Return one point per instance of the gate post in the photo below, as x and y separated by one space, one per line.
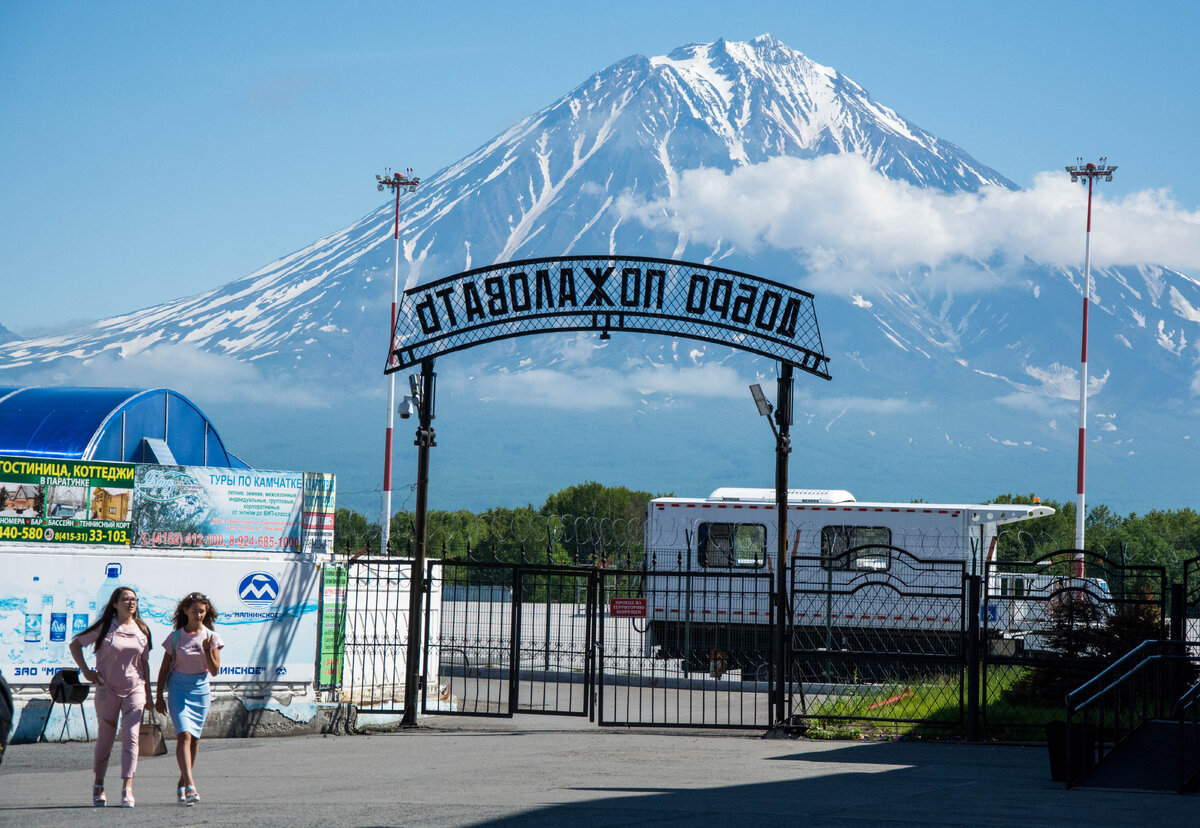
416 585
783 446
973 653
1178 612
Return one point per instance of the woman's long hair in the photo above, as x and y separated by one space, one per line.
181 610
104 622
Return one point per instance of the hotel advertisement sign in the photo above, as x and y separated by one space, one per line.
65 501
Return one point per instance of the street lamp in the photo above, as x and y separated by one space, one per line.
397 182
1085 174
780 427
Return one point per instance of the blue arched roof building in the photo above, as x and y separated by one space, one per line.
130 425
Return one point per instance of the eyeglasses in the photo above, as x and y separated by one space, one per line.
197 596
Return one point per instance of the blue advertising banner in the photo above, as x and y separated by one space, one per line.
196 507
267 610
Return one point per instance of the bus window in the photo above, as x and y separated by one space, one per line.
732 544
837 540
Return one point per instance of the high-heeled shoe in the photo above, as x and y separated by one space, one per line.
98 798
126 797
182 794
193 798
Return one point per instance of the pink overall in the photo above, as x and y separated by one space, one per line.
121 663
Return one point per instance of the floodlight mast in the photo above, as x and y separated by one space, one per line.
397 182
1085 174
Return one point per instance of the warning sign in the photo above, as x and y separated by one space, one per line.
627 607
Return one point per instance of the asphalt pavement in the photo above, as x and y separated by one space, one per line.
542 770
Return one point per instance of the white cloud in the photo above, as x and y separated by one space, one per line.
1055 381
598 387
848 223
202 377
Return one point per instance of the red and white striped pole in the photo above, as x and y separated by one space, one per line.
395 182
1085 173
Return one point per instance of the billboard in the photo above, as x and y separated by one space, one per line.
268 610
198 507
65 501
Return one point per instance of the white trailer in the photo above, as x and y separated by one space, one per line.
856 566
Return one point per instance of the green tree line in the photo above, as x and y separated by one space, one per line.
586 524
1161 537
591 523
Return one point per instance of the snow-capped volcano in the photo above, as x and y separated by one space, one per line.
549 185
966 358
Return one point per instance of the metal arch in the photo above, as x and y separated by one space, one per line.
605 294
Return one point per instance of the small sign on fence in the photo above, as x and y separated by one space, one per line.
626 607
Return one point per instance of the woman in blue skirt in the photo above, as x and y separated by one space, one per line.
193 653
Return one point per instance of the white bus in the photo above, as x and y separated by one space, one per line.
857 567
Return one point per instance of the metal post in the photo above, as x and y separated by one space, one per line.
549 588
783 446
416 586
1178 612
1085 173
973 651
396 182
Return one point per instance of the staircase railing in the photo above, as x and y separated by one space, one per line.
1187 713
1144 684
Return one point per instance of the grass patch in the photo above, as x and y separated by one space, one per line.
929 707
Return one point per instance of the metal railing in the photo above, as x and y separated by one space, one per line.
1145 684
1187 714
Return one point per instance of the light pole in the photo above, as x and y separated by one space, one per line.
396 182
783 447
423 387
1085 174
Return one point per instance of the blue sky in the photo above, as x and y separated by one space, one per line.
155 150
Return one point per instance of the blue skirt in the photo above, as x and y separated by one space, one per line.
188 696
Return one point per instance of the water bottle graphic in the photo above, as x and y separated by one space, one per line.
112 580
33 620
47 600
58 622
83 610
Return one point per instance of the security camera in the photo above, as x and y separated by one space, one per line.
407 408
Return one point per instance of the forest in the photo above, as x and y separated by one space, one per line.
594 523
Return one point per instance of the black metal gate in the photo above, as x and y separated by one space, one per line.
878 634
376 634
624 648
1191 600
686 649
1046 629
509 639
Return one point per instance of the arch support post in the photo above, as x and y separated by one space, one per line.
783 447
416 583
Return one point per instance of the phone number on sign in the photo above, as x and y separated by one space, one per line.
196 539
64 535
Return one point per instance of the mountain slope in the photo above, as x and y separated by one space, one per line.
547 186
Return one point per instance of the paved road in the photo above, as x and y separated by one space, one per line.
537 770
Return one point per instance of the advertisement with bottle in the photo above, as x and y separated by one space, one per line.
65 501
268 610
199 507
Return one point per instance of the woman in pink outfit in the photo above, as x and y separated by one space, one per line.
122 679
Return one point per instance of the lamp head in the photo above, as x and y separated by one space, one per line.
760 400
